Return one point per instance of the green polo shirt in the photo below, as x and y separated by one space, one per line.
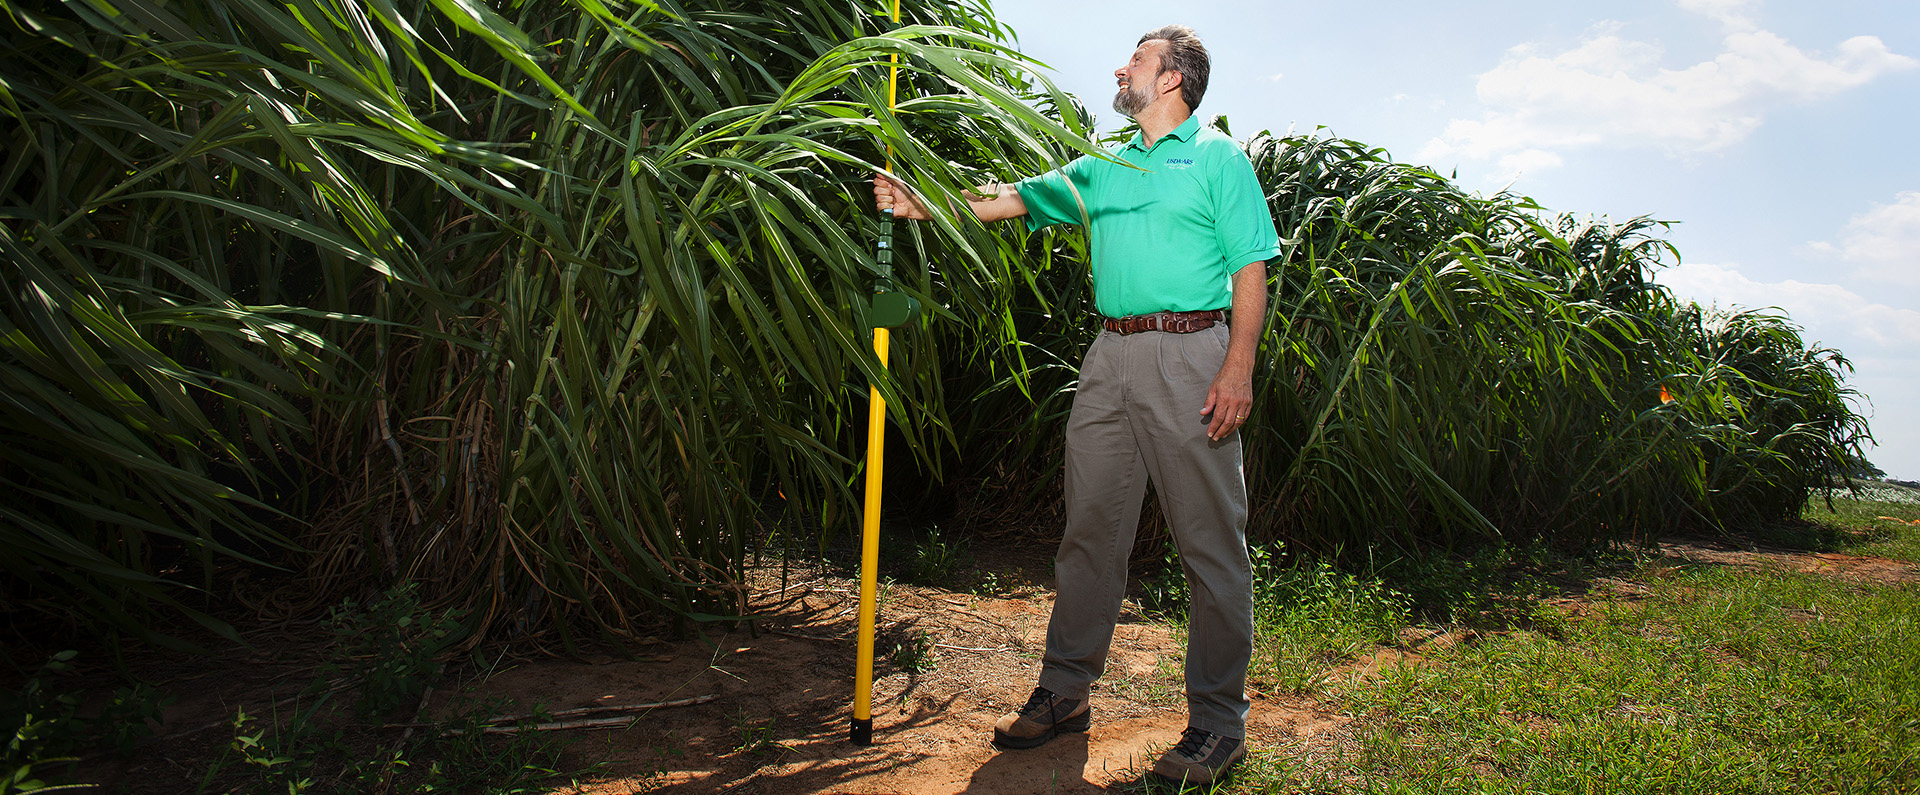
1168 237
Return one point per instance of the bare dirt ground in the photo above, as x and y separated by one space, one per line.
773 701
779 722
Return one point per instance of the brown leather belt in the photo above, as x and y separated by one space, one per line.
1170 322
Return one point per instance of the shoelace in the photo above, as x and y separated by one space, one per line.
1040 700
1191 741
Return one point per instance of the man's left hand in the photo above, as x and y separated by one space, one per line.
1229 400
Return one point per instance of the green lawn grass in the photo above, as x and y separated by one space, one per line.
1701 679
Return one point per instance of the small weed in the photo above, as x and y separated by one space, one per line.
130 715
1154 785
913 653
389 647
753 736
936 559
42 724
1162 687
669 748
470 759
989 584
273 758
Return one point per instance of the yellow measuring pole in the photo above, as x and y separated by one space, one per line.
862 733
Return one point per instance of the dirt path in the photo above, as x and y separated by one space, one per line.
779 722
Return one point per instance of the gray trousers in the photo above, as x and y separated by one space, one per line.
1137 416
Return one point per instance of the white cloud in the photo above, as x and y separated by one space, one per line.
1612 91
1278 76
1528 161
1884 242
1732 13
1828 312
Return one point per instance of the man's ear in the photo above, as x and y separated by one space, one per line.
1170 80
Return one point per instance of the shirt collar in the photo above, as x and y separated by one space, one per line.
1182 133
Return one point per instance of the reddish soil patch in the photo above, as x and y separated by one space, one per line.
1854 568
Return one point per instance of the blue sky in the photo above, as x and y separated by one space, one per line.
1779 136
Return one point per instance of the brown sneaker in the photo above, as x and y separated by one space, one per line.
1044 716
1201 757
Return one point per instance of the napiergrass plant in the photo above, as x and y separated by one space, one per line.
550 306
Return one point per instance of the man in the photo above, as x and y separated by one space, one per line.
1163 392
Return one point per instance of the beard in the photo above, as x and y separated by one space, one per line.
1129 102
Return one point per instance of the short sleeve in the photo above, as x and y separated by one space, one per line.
1058 196
1243 223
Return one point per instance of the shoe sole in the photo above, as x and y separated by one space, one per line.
1077 723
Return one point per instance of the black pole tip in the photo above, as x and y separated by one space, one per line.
862 731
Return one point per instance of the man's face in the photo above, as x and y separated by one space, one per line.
1137 78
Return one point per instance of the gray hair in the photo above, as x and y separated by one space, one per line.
1186 55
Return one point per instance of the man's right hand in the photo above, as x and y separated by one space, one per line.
996 203
890 192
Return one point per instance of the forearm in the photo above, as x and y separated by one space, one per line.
1249 317
1230 398
996 202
